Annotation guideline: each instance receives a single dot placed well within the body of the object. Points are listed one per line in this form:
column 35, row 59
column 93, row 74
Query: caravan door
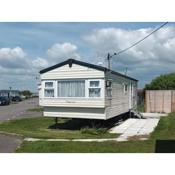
column 131, row 96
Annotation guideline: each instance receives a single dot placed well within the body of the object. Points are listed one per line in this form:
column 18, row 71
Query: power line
column 142, row 39
column 124, row 50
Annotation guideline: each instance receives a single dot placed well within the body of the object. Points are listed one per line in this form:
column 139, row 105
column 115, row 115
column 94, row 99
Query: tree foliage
column 26, row 93
column 162, row 82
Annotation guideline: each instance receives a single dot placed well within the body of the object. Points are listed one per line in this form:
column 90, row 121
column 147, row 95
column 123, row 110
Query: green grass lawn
column 165, row 128
column 87, row 147
column 39, row 109
column 39, row 128
column 141, row 108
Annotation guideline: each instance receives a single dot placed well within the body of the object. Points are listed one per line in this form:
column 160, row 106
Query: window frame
column 99, row 87
column 48, row 82
column 70, row 80
column 87, row 86
column 109, row 88
column 49, row 88
column 124, row 88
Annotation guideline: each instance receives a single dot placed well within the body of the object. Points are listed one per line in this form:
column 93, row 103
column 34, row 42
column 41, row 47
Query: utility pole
column 9, row 94
column 109, row 59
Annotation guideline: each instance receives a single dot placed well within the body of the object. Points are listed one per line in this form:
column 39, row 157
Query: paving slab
column 122, row 127
column 153, row 115
column 135, row 127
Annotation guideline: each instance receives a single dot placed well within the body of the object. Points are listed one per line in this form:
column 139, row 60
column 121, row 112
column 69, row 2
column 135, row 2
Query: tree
column 26, row 93
column 162, row 82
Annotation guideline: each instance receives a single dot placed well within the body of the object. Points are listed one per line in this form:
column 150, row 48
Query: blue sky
column 29, row 36
column 25, row 48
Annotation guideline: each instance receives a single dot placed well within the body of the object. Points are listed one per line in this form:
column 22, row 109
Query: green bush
column 162, row 82
column 141, row 108
column 93, row 131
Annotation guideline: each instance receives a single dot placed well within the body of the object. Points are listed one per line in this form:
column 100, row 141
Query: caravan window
column 125, row 88
column 49, row 89
column 94, row 83
column 71, row 88
column 94, row 88
column 109, row 88
column 49, row 92
column 49, row 84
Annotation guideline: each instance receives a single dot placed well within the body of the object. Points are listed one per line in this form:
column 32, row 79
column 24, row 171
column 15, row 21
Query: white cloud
column 61, row 51
column 55, row 54
column 159, row 46
column 16, row 69
column 15, row 52
column 40, row 63
column 15, row 61
column 154, row 55
column 13, row 58
column 19, row 70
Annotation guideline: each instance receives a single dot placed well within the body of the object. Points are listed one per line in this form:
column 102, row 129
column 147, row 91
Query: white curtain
column 94, row 92
column 71, row 88
column 48, row 84
column 49, row 92
column 94, row 83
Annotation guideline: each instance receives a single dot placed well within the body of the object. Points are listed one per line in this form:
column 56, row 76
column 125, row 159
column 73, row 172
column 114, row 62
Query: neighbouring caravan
column 76, row 89
column 9, row 93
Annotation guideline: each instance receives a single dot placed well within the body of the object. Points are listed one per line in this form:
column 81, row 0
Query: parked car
column 4, row 101
column 16, row 98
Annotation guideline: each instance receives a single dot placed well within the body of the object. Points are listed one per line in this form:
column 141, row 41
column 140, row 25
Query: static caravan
column 76, row 89
column 9, row 93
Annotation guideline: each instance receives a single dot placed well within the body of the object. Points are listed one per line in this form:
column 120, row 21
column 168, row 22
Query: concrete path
column 153, row 115
column 68, row 140
column 19, row 110
column 135, row 127
column 9, row 143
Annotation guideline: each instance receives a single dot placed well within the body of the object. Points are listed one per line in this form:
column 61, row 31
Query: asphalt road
column 18, row 110
column 9, row 143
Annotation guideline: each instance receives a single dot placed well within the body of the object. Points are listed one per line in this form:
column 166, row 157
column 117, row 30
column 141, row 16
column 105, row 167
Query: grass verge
column 35, row 109
column 88, row 147
column 141, row 108
column 164, row 130
column 42, row 127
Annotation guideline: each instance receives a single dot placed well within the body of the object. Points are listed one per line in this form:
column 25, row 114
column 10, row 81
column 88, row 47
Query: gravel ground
column 9, row 143
column 19, row 110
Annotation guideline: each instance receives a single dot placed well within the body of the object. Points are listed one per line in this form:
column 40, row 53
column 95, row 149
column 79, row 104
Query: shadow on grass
column 77, row 124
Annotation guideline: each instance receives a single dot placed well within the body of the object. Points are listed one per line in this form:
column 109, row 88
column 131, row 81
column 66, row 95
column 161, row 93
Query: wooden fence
column 161, row 101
